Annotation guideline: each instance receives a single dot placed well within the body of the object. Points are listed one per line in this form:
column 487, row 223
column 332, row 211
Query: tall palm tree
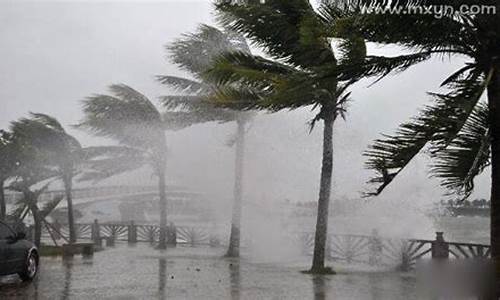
column 194, row 53
column 294, row 35
column 131, row 119
column 461, row 132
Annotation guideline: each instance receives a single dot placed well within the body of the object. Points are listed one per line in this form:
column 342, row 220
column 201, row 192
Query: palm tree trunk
column 3, row 206
column 163, row 209
column 31, row 199
column 68, row 186
column 38, row 227
column 318, row 264
column 494, row 119
column 234, row 239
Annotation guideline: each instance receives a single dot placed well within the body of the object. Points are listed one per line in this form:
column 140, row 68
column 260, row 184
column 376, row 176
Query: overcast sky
column 54, row 54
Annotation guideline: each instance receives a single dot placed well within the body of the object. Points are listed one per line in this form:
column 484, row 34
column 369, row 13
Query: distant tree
column 195, row 53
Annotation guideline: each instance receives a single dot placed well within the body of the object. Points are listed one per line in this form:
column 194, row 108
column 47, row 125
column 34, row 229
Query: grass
column 46, row 250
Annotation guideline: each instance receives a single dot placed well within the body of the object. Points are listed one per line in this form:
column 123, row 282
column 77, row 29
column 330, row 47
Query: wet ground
column 142, row 272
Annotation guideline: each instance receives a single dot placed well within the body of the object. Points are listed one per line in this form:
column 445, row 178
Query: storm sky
column 54, row 54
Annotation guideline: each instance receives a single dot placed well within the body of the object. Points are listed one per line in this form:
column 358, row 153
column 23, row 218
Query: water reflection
column 68, row 266
column 162, row 275
column 319, row 287
column 235, row 280
column 376, row 286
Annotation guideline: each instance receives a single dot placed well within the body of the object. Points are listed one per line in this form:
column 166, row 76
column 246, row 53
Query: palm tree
column 461, row 132
column 194, row 53
column 66, row 154
column 7, row 166
column 63, row 153
column 131, row 119
column 293, row 34
column 33, row 172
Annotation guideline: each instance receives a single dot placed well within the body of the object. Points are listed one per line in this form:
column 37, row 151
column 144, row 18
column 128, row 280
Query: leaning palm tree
column 64, row 153
column 461, row 132
column 33, row 173
column 131, row 119
column 293, row 34
column 194, row 53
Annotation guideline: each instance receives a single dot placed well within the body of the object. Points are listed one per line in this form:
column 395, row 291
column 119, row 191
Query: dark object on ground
column 17, row 255
column 86, row 249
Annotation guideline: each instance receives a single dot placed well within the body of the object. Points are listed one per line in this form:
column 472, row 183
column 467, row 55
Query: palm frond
column 183, row 85
column 466, row 156
column 49, row 206
column 195, row 52
column 287, row 29
column 128, row 117
column 181, row 119
column 107, row 161
column 437, row 126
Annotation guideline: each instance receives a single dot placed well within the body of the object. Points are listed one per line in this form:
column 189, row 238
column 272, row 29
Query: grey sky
column 54, row 54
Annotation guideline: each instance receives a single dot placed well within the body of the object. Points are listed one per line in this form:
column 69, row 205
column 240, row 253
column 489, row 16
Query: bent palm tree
column 64, row 153
column 195, row 53
column 293, row 34
column 131, row 119
column 34, row 168
column 459, row 130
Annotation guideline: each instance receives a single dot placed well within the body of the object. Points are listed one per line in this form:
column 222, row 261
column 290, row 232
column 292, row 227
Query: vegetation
column 36, row 166
column 294, row 35
column 460, row 129
column 461, row 132
column 195, row 53
column 132, row 120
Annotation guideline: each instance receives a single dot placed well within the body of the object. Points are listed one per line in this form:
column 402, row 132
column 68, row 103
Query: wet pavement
column 141, row 272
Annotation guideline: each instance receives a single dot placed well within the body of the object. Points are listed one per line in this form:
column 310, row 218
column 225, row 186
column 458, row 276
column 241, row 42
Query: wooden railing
column 372, row 249
column 401, row 253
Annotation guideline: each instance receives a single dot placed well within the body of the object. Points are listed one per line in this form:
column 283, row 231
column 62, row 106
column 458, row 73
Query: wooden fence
column 372, row 249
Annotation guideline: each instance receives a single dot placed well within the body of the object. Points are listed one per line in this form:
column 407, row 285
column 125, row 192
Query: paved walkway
column 197, row 273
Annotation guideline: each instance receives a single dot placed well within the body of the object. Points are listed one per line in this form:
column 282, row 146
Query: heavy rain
column 277, row 149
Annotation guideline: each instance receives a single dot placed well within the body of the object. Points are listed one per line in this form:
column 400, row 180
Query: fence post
column 96, row 233
column 214, row 241
column 172, row 235
column 375, row 248
column 132, row 232
column 440, row 249
column 151, row 233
